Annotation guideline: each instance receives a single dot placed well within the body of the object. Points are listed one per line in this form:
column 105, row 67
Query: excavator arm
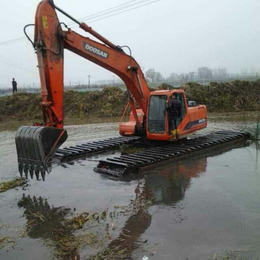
column 50, row 42
column 37, row 144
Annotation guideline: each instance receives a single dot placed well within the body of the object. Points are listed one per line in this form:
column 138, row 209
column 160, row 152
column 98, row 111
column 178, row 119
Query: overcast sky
column 168, row 35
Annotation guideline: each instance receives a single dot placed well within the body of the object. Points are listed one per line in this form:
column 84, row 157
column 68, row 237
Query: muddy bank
column 235, row 96
column 108, row 105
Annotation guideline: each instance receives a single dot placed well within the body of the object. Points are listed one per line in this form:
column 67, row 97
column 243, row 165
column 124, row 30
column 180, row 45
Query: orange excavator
column 150, row 110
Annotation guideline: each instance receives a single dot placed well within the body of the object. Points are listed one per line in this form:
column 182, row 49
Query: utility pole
column 89, row 81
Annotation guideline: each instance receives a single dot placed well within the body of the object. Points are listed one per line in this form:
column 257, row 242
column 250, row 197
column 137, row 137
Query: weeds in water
column 128, row 149
column 57, row 228
column 115, row 253
column 2, row 241
column 5, row 186
column 6, row 242
column 67, row 234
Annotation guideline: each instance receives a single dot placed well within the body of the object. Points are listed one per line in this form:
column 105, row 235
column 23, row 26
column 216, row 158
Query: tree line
column 202, row 74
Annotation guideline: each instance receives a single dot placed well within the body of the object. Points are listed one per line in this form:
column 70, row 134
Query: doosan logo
column 95, row 50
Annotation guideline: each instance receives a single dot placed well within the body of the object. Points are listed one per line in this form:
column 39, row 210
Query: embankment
column 78, row 106
column 237, row 96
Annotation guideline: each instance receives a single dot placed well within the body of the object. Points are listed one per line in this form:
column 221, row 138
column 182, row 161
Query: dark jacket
column 14, row 83
column 175, row 109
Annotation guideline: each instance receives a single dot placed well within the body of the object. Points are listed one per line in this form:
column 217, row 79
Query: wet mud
column 190, row 209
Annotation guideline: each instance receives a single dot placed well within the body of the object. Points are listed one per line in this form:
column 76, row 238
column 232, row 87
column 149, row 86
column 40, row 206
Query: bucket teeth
column 26, row 172
column 31, row 173
column 37, row 173
column 35, row 148
column 43, row 174
column 20, row 168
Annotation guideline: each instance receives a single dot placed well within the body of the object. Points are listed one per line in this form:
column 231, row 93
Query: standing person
column 14, row 84
column 174, row 112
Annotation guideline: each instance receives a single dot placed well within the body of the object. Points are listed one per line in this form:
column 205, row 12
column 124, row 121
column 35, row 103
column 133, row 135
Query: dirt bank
column 235, row 96
column 96, row 106
column 107, row 105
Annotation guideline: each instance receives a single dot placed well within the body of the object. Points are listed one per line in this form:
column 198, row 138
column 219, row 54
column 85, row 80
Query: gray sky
column 168, row 35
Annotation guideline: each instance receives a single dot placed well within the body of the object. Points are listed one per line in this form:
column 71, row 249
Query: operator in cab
column 174, row 110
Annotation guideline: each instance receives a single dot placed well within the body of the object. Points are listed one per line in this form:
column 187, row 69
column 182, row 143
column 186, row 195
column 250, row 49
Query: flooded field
column 204, row 207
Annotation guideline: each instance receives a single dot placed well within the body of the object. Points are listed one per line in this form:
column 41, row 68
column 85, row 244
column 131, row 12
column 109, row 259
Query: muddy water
column 190, row 209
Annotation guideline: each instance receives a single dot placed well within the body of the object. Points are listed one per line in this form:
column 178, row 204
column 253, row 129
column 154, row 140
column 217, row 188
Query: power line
column 135, row 4
column 15, row 65
column 109, row 11
column 13, row 41
column 122, row 11
column 106, row 10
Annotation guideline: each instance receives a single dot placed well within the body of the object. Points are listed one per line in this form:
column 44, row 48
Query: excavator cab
column 161, row 123
column 165, row 122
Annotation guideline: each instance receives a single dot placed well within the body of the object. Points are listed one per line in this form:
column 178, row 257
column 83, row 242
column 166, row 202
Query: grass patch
column 3, row 240
column 8, row 185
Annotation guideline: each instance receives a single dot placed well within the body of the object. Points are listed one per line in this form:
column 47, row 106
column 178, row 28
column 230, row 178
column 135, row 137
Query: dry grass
column 5, row 186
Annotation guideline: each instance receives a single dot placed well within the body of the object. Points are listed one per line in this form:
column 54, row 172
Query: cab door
column 157, row 114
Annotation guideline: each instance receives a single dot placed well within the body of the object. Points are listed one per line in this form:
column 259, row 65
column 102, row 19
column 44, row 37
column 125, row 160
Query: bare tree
column 220, row 74
column 191, row 75
column 154, row 76
column 158, row 77
column 205, row 73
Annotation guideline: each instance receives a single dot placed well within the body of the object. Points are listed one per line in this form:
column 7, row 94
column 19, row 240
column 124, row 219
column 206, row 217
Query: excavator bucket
column 36, row 145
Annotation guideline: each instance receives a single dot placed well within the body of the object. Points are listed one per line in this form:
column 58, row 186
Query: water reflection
column 165, row 186
column 48, row 223
column 168, row 185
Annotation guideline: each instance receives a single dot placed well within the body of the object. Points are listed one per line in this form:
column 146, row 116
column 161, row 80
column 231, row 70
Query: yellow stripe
column 45, row 22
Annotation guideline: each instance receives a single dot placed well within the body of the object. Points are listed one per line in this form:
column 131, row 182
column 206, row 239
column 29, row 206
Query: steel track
column 88, row 149
column 120, row 166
